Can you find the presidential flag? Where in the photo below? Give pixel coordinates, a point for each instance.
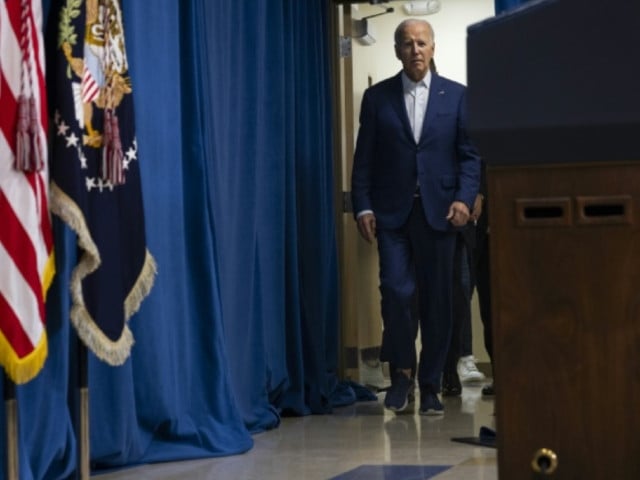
(26, 254)
(95, 175)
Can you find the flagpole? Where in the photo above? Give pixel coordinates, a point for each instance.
(11, 411)
(83, 394)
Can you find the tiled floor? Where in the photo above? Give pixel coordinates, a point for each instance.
(359, 442)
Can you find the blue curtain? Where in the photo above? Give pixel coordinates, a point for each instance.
(234, 130)
(268, 130)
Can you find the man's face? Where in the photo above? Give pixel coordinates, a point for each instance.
(415, 50)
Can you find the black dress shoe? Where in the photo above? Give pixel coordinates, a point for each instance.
(451, 384)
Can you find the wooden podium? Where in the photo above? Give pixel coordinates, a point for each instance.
(565, 246)
(554, 108)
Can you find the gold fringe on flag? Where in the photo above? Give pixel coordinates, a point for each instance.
(22, 370)
(113, 353)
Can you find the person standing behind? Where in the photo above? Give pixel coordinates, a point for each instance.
(414, 181)
(482, 274)
(460, 367)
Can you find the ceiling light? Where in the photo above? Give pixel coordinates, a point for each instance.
(422, 8)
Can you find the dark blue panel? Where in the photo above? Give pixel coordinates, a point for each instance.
(392, 472)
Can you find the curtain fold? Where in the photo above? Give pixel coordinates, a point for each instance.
(271, 182)
(314, 229)
(233, 119)
(246, 187)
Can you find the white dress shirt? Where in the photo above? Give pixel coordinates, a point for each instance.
(416, 97)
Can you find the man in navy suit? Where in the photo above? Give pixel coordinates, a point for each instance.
(414, 181)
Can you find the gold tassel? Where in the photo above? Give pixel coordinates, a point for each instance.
(23, 143)
(28, 148)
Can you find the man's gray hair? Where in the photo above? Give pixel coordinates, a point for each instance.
(397, 36)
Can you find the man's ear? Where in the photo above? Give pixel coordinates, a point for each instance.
(397, 50)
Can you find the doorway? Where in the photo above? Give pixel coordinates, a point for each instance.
(361, 59)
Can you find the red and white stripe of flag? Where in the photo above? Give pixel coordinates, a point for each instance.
(90, 88)
(26, 246)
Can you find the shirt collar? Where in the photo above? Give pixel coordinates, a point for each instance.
(409, 85)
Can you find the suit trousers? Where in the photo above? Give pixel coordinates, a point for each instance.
(416, 258)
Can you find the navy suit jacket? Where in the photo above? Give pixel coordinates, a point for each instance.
(387, 160)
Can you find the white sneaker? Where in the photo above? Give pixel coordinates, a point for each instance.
(468, 371)
(373, 376)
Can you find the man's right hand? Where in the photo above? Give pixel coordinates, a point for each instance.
(367, 226)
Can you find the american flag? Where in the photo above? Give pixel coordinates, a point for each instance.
(26, 249)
